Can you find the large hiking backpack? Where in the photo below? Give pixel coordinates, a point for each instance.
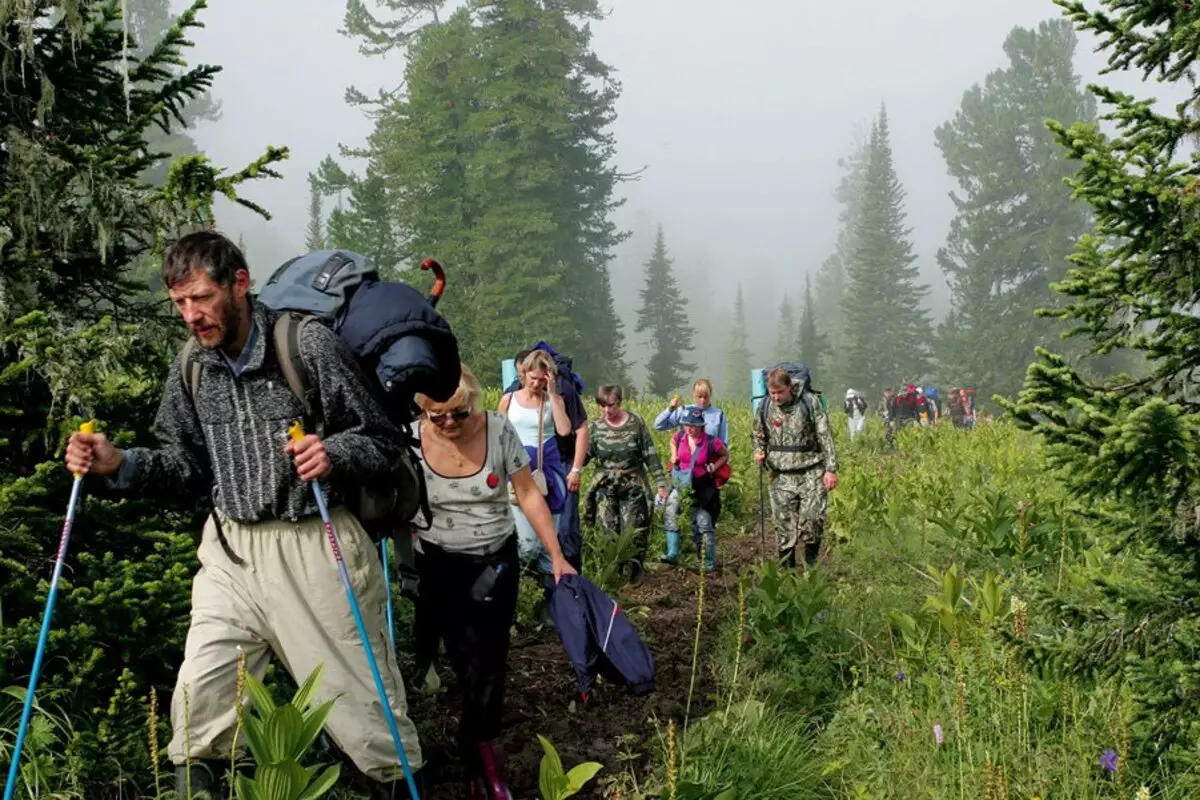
(801, 385)
(393, 332)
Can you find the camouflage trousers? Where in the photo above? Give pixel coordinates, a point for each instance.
(617, 504)
(799, 502)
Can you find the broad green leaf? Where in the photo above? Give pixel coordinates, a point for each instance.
(282, 781)
(281, 733)
(579, 775)
(259, 696)
(323, 784)
(549, 770)
(312, 725)
(252, 729)
(246, 788)
(305, 694)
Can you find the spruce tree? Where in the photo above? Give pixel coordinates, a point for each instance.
(497, 159)
(1126, 448)
(79, 223)
(812, 343)
(785, 332)
(738, 358)
(831, 277)
(1016, 221)
(315, 233)
(663, 317)
(888, 333)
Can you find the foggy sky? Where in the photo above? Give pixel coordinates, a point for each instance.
(737, 112)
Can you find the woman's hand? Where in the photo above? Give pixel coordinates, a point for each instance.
(559, 567)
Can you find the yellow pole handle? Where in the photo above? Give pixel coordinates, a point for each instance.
(296, 431)
(87, 427)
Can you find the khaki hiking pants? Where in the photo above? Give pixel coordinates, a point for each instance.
(287, 598)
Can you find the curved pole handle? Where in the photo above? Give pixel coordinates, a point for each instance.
(439, 279)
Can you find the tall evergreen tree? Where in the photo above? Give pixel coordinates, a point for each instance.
(497, 159)
(888, 333)
(78, 223)
(738, 358)
(831, 277)
(812, 343)
(1016, 221)
(785, 332)
(315, 232)
(663, 316)
(1129, 449)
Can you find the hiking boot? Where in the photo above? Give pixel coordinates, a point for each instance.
(672, 554)
(497, 789)
(207, 780)
(636, 573)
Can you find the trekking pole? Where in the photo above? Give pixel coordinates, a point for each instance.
(296, 431)
(10, 785)
(762, 517)
(387, 582)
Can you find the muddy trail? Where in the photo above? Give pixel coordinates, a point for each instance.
(543, 690)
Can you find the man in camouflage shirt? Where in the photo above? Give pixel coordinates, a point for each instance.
(796, 447)
(624, 452)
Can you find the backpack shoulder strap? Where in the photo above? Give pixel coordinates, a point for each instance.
(286, 335)
(190, 367)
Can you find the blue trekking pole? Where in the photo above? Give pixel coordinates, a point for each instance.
(387, 583)
(296, 431)
(10, 785)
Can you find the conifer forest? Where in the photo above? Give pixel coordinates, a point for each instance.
(997, 197)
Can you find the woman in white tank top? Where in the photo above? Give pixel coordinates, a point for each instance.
(538, 398)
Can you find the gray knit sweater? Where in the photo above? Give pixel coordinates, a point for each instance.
(232, 439)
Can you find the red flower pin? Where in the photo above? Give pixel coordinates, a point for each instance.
(778, 423)
(493, 480)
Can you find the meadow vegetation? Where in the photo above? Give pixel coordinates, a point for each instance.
(924, 657)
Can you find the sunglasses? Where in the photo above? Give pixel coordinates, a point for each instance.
(458, 416)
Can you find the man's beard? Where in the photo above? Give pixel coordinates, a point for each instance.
(229, 324)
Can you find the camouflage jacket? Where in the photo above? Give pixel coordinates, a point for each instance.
(797, 436)
(625, 451)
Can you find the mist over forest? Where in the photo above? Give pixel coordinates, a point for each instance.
(729, 126)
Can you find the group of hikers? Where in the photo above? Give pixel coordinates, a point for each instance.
(501, 491)
(912, 406)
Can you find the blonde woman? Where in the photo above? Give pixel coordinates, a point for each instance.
(538, 414)
(716, 425)
(468, 561)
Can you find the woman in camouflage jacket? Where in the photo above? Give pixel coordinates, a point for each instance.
(620, 497)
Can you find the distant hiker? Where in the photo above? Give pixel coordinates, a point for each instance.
(715, 424)
(699, 463)
(856, 411)
(620, 445)
(468, 561)
(908, 406)
(267, 580)
(933, 408)
(956, 408)
(571, 448)
(795, 443)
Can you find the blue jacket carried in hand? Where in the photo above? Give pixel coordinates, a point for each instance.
(598, 637)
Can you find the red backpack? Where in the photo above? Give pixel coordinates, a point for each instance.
(721, 476)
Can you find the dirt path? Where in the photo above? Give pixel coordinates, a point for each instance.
(542, 686)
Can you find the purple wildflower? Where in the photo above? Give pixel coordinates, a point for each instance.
(900, 676)
(938, 736)
(1108, 760)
